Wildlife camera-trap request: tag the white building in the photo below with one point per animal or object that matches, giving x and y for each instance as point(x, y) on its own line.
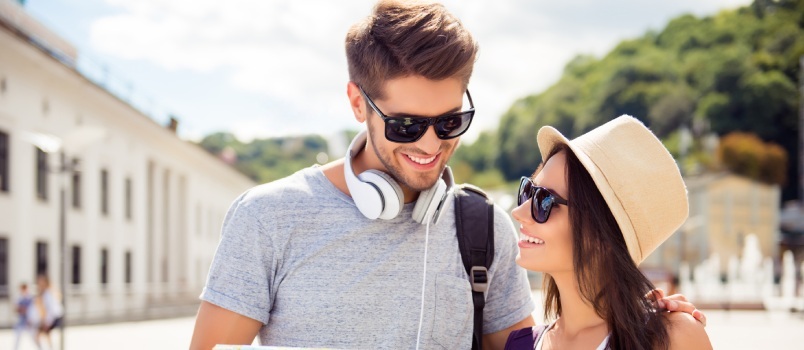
point(143, 213)
point(724, 210)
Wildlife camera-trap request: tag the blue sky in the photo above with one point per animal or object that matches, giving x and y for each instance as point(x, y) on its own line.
point(262, 68)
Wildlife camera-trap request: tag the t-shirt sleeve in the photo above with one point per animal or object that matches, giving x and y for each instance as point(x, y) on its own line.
point(509, 298)
point(240, 276)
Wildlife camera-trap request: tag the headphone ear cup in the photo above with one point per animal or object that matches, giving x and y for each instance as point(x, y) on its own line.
point(367, 197)
point(428, 202)
point(392, 197)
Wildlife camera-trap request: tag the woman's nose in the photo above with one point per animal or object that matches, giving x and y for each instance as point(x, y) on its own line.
point(522, 213)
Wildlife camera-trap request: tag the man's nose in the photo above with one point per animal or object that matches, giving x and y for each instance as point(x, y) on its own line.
point(429, 143)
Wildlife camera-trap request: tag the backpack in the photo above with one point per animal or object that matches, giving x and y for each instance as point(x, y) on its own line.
point(474, 222)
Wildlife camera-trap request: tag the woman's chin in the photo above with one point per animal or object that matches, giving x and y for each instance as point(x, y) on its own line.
point(528, 263)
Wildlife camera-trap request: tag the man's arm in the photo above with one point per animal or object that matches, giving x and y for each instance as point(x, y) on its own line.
point(216, 325)
point(497, 340)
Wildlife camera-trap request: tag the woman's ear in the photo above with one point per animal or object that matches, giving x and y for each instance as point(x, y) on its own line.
point(356, 101)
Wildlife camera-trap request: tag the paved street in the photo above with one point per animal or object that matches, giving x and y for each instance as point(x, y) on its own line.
point(755, 329)
point(727, 330)
point(161, 334)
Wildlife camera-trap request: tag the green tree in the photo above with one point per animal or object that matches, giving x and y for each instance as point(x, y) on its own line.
point(746, 154)
point(734, 71)
point(265, 160)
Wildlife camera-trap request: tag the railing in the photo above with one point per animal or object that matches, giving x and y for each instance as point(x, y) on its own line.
point(119, 304)
point(37, 33)
point(126, 303)
point(124, 89)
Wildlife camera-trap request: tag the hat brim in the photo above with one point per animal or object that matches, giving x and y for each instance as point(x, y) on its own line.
point(547, 138)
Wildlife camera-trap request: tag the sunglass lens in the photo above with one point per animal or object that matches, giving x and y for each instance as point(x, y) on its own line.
point(448, 127)
point(542, 204)
point(524, 191)
point(404, 129)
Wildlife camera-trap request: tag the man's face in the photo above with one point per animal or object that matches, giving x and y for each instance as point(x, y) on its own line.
point(416, 165)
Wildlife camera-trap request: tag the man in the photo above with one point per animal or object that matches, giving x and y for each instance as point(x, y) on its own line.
point(22, 326)
point(305, 262)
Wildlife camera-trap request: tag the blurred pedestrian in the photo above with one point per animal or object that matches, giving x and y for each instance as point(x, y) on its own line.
point(22, 326)
point(50, 313)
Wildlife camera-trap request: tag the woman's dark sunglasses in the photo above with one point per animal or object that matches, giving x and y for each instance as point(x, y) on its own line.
point(543, 199)
point(411, 129)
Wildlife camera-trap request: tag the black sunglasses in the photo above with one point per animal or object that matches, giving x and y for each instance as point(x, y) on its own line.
point(543, 199)
point(411, 129)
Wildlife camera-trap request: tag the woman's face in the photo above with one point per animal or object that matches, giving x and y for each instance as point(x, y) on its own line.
point(552, 252)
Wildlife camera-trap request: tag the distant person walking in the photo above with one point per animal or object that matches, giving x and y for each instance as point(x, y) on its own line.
point(23, 326)
point(48, 314)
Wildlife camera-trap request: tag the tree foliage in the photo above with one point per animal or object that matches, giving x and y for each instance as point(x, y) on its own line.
point(475, 163)
point(735, 71)
point(746, 154)
point(265, 160)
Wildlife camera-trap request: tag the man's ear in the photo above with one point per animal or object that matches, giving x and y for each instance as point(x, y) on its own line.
point(356, 101)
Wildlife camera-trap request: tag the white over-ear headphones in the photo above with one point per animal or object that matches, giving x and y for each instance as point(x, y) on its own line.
point(377, 195)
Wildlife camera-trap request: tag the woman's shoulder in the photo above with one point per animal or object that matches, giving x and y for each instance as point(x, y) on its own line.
point(686, 332)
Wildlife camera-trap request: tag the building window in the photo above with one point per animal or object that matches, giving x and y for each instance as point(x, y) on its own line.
point(128, 198)
point(104, 192)
point(41, 258)
point(128, 267)
point(41, 174)
point(4, 268)
point(104, 266)
point(76, 183)
point(76, 266)
point(4, 163)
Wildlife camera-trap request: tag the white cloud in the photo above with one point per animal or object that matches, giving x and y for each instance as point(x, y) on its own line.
point(291, 52)
point(285, 51)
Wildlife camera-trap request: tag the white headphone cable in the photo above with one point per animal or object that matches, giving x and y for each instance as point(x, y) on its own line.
point(424, 283)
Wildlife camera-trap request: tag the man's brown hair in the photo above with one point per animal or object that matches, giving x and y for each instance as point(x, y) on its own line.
point(403, 38)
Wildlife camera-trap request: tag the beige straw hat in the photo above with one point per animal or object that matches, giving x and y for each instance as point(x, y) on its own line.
point(637, 176)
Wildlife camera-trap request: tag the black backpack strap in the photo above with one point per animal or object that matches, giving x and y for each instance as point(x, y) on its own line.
point(474, 221)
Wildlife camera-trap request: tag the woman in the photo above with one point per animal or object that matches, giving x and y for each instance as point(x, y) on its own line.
point(596, 207)
point(47, 311)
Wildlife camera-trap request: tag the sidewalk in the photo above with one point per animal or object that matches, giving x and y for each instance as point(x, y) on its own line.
point(726, 329)
point(156, 334)
point(755, 329)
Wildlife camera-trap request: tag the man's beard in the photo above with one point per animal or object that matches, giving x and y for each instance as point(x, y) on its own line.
point(414, 183)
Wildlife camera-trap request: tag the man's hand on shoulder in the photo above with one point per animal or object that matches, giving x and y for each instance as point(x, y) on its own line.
point(675, 302)
point(686, 332)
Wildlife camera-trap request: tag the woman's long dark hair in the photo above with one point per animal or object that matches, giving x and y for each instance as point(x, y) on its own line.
point(607, 277)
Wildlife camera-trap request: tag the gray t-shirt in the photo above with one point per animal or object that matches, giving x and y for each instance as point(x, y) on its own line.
point(298, 256)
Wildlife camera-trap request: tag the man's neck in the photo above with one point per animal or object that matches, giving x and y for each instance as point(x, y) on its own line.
point(409, 194)
point(333, 171)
